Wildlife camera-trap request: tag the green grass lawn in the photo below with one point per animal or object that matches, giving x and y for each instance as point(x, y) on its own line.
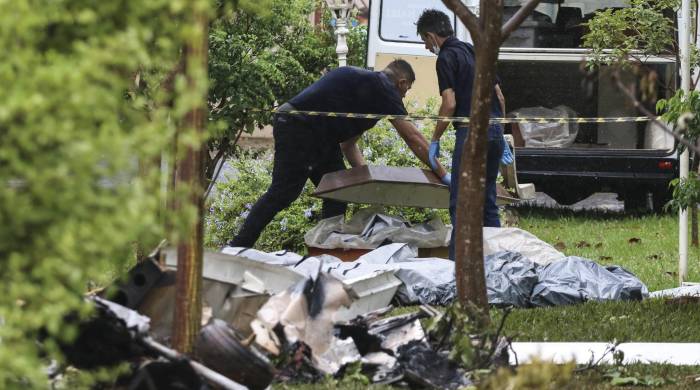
point(645, 245)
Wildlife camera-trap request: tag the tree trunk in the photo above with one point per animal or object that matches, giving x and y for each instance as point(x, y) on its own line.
point(488, 32)
point(469, 249)
point(694, 208)
point(188, 282)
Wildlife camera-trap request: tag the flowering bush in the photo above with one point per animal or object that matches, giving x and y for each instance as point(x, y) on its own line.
point(235, 197)
point(253, 173)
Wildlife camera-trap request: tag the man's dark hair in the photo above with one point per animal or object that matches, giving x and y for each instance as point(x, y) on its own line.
point(434, 21)
point(402, 69)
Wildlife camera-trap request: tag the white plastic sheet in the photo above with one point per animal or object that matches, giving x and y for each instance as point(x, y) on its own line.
point(368, 229)
point(547, 135)
point(520, 241)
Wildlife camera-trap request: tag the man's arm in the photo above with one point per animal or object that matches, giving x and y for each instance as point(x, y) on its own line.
point(416, 142)
point(352, 152)
point(501, 99)
point(447, 108)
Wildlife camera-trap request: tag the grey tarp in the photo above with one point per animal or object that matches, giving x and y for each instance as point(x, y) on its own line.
point(369, 229)
point(514, 280)
point(575, 280)
point(510, 278)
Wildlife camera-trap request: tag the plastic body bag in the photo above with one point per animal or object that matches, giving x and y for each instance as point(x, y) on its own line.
point(368, 229)
point(547, 135)
point(576, 280)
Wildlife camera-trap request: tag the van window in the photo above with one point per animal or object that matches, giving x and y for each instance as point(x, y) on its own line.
point(555, 24)
point(398, 18)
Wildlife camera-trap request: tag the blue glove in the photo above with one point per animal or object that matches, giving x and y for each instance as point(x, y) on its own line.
point(433, 154)
point(447, 179)
point(507, 157)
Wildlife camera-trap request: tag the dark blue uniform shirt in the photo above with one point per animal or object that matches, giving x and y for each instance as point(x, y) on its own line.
point(455, 69)
point(348, 89)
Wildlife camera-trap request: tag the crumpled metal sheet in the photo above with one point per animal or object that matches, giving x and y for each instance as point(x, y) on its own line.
point(284, 258)
point(397, 331)
point(234, 287)
point(138, 324)
point(383, 368)
point(306, 313)
point(373, 285)
point(575, 280)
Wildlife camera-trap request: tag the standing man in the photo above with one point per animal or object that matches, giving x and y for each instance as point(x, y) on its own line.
point(307, 147)
point(455, 71)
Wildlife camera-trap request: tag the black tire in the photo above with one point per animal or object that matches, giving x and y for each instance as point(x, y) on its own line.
point(219, 347)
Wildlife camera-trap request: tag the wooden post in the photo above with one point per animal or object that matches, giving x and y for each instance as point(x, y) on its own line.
point(189, 184)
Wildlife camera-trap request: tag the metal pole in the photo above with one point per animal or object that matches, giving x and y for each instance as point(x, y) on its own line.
point(206, 372)
point(341, 32)
point(341, 10)
point(684, 38)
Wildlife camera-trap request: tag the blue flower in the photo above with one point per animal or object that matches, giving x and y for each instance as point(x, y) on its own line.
point(244, 214)
point(308, 213)
point(249, 206)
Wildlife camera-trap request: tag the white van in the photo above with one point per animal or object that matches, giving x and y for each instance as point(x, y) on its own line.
point(541, 67)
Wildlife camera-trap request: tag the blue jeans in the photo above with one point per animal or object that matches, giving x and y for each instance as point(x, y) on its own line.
point(493, 159)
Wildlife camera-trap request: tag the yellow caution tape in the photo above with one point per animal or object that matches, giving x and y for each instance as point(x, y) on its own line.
point(618, 119)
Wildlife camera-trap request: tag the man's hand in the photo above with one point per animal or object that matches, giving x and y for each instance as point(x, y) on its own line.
point(447, 179)
point(434, 154)
point(507, 157)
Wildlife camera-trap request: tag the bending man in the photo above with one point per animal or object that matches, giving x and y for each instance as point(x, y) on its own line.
point(307, 147)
